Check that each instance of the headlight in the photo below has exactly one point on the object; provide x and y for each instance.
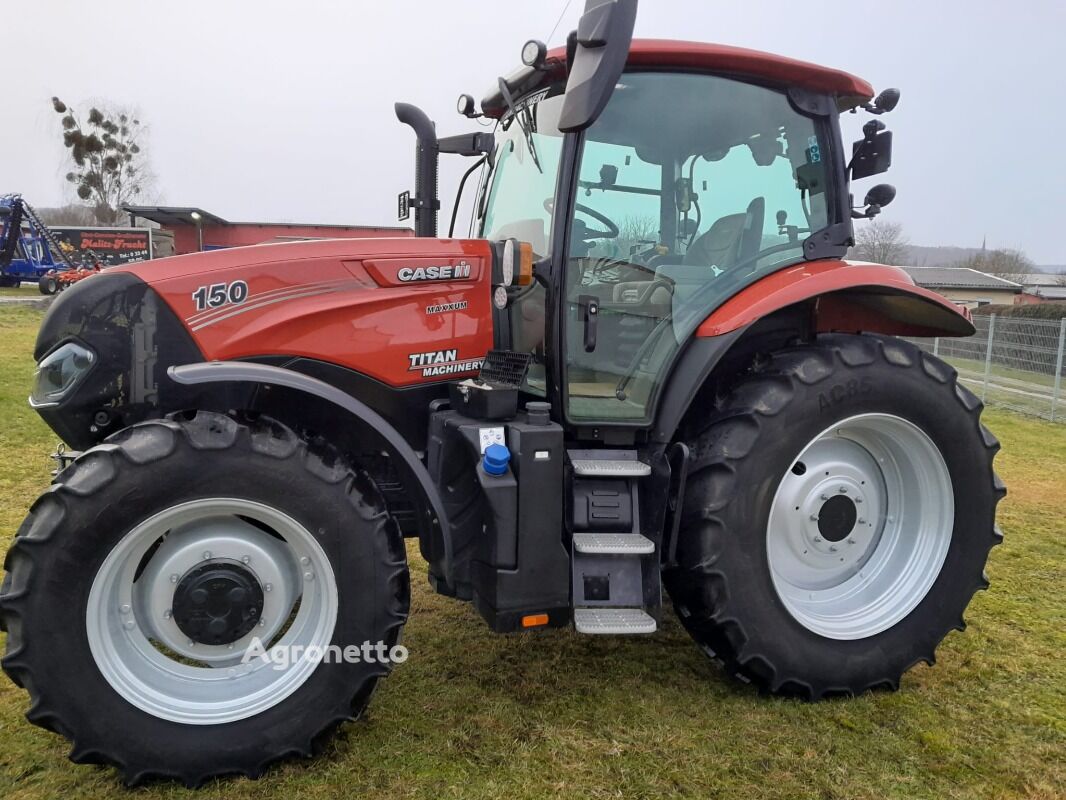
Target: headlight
(59, 372)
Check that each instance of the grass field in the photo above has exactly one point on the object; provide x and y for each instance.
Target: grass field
(475, 715)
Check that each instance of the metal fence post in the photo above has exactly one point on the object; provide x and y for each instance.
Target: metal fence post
(1058, 368)
(936, 346)
(988, 355)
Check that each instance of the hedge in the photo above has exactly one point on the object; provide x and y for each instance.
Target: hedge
(1034, 311)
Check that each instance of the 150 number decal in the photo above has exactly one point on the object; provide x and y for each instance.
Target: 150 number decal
(220, 294)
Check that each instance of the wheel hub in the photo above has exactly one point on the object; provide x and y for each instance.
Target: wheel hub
(836, 519)
(217, 603)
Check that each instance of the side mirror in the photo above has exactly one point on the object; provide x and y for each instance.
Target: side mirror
(884, 102)
(600, 48)
(871, 155)
(880, 195)
(877, 198)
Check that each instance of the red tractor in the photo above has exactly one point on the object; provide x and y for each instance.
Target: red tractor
(652, 368)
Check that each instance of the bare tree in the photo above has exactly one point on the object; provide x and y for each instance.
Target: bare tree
(881, 242)
(637, 231)
(70, 215)
(110, 168)
(1007, 264)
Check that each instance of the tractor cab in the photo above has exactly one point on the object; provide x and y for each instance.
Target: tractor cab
(651, 185)
(687, 187)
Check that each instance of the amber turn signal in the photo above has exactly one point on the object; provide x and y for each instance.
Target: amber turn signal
(525, 264)
(534, 620)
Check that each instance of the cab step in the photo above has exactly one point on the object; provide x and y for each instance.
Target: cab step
(613, 621)
(609, 468)
(620, 544)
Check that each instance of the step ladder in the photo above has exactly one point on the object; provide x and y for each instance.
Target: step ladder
(614, 567)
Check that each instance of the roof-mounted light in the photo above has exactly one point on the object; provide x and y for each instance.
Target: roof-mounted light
(534, 52)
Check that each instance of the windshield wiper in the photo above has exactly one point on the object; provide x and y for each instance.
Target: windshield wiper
(526, 124)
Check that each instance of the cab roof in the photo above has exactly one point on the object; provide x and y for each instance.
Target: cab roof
(740, 62)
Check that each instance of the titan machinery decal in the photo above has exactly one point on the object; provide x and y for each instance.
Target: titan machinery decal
(441, 362)
(443, 272)
(445, 307)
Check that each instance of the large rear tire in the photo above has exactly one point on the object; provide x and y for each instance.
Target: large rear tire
(837, 518)
(142, 576)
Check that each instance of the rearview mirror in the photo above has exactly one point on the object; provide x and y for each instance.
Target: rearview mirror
(600, 47)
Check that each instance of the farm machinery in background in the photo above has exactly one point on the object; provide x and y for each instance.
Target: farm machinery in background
(57, 257)
(29, 251)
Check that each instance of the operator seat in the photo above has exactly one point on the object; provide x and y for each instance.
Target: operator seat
(720, 245)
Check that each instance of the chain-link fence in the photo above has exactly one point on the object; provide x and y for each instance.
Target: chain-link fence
(1011, 362)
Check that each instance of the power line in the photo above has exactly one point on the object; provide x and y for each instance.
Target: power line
(561, 15)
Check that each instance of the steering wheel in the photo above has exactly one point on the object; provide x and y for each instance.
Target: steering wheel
(611, 231)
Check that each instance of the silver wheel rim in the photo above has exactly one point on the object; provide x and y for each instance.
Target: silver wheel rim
(850, 581)
(128, 612)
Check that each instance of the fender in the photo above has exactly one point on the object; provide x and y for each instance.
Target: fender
(247, 372)
(815, 297)
(847, 297)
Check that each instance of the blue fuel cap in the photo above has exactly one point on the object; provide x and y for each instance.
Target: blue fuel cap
(495, 459)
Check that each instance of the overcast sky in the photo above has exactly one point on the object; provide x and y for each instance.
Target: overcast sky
(281, 111)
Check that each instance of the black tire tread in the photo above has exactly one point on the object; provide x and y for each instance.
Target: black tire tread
(702, 595)
(142, 444)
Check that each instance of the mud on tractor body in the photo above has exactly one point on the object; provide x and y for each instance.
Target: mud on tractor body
(652, 368)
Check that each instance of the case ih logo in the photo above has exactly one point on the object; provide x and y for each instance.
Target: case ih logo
(442, 272)
(441, 362)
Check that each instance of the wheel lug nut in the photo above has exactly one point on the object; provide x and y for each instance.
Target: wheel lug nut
(168, 614)
(262, 623)
(305, 561)
(207, 555)
(245, 559)
(843, 489)
(817, 538)
(832, 548)
(129, 624)
(862, 521)
(191, 643)
(851, 541)
(814, 517)
(858, 499)
(268, 587)
(174, 578)
(125, 608)
(309, 576)
(825, 497)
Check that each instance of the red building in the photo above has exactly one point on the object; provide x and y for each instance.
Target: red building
(195, 229)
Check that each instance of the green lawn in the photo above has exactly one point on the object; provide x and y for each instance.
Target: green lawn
(25, 290)
(476, 715)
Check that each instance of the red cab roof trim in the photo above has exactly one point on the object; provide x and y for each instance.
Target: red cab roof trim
(767, 67)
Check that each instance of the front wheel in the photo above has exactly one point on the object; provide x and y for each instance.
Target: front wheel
(47, 285)
(203, 596)
(838, 516)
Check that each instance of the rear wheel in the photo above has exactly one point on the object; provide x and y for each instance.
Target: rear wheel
(159, 559)
(48, 284)
(838, 516)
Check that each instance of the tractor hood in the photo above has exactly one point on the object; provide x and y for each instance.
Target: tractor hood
(401, 312)
(366, 304)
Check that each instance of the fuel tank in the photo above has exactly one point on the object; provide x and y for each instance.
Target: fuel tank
(403, 311)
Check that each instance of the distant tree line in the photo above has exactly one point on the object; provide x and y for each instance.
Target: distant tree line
(884, 242)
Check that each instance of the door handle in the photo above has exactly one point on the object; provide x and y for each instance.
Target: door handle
(590, 312)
